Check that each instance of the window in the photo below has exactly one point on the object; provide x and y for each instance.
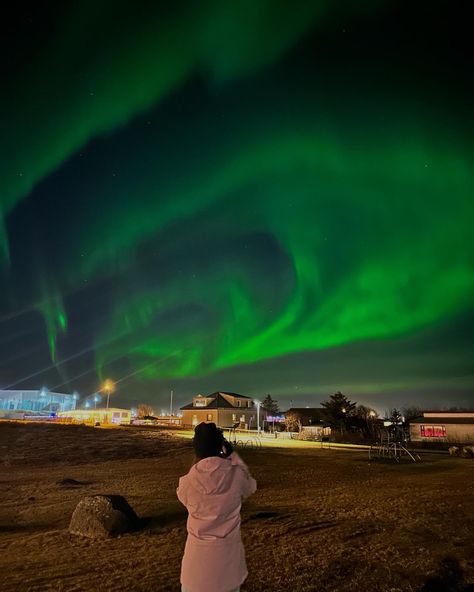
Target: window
(209, 417)
(234, 416)
(248, 403)
(239, 402)
(433, 431)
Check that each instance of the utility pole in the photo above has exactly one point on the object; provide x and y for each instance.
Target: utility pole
(171, 406)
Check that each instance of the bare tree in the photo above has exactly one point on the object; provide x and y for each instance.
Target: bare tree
(412, 411)
(367, 416)
(293, 422)
(144, 410)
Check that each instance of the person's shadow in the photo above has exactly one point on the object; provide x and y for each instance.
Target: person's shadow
(166, 520)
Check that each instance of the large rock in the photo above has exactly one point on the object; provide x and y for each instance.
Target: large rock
(466, 452)
(102, 516)
(454, 451)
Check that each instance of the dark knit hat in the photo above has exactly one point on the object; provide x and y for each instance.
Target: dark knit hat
(208, 440)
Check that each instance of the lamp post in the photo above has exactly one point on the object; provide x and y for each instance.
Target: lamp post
(75, 398)
(258, 415)
(43, 392)
(108, 387)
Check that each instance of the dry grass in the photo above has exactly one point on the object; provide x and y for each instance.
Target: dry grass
(321, 520)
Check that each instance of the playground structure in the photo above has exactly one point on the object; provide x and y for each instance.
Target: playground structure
(392, 447)
(252, 442)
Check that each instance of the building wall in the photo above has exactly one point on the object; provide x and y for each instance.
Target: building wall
(316, 430)
(103, 416)
(31, 400)
(229, 417)
(191, 417)
(239, 402)
(221, 417)
(463, 433)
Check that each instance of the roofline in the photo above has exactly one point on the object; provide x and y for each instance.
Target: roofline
(230, 394)
(37, 391)
(189, 407)
(447, 412)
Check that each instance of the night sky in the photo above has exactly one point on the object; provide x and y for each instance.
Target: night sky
(255, 196)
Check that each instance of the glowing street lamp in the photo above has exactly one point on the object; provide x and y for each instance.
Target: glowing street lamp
(75, 398)
(96, 400)
(44, 392)
(108, 387)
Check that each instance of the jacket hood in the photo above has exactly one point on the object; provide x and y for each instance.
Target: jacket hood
(212, 475)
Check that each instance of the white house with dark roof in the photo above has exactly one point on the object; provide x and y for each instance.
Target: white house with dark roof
(222, 408)
(443, 426)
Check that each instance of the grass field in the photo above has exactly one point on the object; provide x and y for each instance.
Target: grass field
(321, 520)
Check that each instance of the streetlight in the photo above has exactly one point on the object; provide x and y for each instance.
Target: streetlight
(75, 398)
(96, 400)
(343, 421)
(258, 415)
(108, 387)
(43, 393)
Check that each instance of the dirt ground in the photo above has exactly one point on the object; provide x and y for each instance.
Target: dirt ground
(321, 520)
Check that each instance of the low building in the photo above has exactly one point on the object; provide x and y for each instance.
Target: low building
(310, 419)
(161, 420)
(36, 401)
(223, 409)
(443, 426)
(111, 416)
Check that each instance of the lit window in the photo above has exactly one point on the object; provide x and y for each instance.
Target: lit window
(234, 416)
(433, 431)
(209, 417)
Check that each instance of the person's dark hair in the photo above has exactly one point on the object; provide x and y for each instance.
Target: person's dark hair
(208, 440)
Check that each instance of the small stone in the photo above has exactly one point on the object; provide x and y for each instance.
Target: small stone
(69, 483)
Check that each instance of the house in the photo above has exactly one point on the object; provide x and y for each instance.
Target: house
(443, 426)
(222, 408)
(310, 419)
(111, 416)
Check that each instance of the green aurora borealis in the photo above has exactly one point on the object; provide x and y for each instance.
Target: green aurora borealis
(234, 191)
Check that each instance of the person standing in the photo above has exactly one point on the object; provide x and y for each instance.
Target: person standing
(212, 492)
